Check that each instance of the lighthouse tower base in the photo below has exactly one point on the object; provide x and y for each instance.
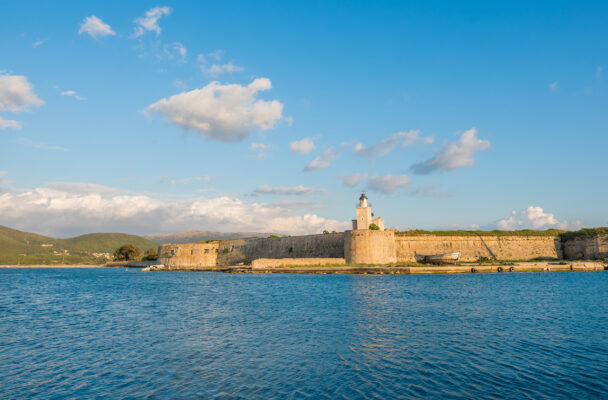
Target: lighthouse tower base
(369, 247)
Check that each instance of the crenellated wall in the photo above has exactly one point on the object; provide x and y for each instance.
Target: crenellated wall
(474, 247)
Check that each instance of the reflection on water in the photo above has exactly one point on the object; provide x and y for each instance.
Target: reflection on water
(104, 332)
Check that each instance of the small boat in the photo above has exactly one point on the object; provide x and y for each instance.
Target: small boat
(447, 258)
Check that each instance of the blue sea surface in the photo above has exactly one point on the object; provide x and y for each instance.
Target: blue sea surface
(109, 333)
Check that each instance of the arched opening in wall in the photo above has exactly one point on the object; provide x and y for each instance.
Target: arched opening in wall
(206, 251)
(191, 252)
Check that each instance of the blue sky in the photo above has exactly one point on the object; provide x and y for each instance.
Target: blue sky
(449, 115)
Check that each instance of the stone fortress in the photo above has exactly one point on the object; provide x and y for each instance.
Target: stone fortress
(370, 243)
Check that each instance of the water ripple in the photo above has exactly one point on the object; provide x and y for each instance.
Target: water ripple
(107, 333)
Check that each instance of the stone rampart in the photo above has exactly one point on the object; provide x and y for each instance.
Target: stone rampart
(268, 263)
(235, 251)
(377, 248)
(369, 247)
(586, 247)
(188, 255)
(474, 247)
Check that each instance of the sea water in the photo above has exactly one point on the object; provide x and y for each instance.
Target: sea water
(86, 333)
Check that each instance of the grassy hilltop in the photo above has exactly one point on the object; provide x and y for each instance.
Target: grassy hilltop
(17, 247)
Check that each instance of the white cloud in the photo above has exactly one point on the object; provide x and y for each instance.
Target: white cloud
(430, 191)
(387, 183)
(95, 27)
(16, 94)
(259, 146)
(149, 22)
(303, 146)
(9, 124)
(39, 145)
(216, 70)
(297, 190)
(222, 112)
(216, 54)
(39, 43)
(179, 50)
(65, 211)
(386, 145)
(352, 180)
(554, 85)
(5, 181)
(598, 71)
(323, 161)
(169, 178)
(535, 217)
(71, 93)
(81, 188)
(180, 84)
(454, 155)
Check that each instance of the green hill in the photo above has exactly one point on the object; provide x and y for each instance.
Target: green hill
(17, 247)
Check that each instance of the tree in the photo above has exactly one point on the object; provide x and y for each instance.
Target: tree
(151, 254)
(373, 227)
(127, 252)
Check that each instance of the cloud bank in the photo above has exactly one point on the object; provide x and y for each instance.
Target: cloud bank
(535, 217)
(225, 113)
(67, 209)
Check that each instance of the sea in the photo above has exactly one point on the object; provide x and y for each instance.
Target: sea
(127, 334)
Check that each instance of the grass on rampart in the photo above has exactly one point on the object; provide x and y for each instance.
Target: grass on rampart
(585, 232)
(523, 232)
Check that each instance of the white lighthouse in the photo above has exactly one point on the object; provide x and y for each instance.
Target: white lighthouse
(365, 218)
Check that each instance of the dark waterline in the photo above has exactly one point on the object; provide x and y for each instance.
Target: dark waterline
(109, 333)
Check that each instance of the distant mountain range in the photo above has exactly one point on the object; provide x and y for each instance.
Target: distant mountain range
(198, 236)
(17, 247)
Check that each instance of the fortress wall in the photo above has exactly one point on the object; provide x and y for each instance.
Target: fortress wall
(586, 247)
(369, 247)
(265, 263)
(234, 251)
(473, 247)
(188, 255)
